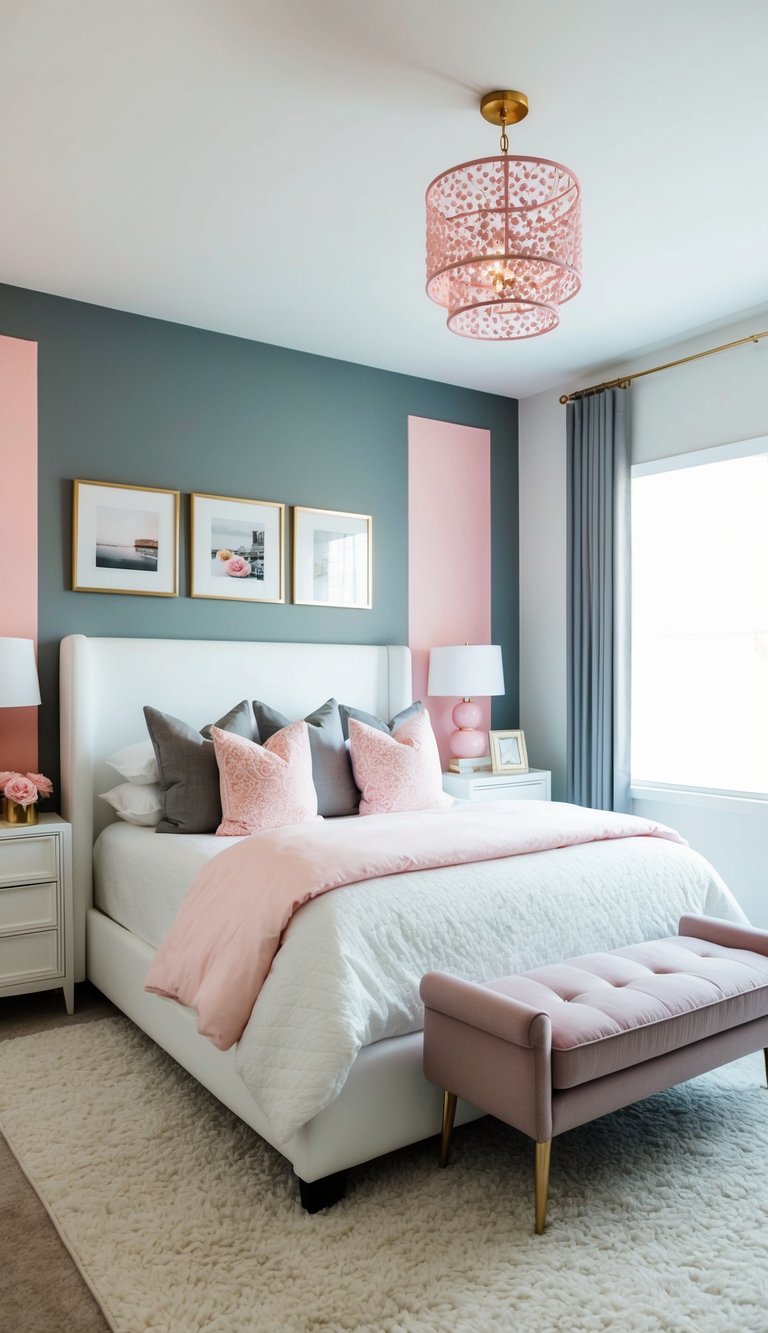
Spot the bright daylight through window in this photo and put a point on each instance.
(700, 620)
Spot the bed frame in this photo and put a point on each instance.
(385, 1103)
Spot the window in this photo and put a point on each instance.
(700, 620)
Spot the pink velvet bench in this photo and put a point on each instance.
(554, 1048)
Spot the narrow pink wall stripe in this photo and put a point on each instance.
(449, 553)
(18, 532)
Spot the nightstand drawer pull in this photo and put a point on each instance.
(29, 957)
(28, 907)
(28, 858)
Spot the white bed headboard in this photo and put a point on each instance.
(106, 682)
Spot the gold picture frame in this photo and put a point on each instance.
(125, 539)
(508, 752)
(332, 558)
(237, 548)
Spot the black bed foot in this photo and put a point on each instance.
(316, 1195)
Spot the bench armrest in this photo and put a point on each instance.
(500, 1015)
(728, 934)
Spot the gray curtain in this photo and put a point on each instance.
(599, 600)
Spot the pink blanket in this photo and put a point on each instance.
(220, 947)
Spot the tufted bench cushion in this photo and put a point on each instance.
(554, 1048)
(612, 1010)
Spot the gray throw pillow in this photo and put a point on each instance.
(331, 767)
(188, 772)
(346, 713)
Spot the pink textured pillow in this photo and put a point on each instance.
(264, 786)
(397, 772)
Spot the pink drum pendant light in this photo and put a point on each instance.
(504, 237)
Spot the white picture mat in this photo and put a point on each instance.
(89, 498)
(350, 583)
(256, 515)
(508, 751)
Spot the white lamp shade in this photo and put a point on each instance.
(19, 686)
(467, 670)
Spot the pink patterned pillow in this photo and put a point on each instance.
(264, 786)
(397, 772)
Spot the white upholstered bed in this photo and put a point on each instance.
(560, 905)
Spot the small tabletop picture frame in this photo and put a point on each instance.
(237, 548)
(332, 558)
(508, 752)
(125, 539)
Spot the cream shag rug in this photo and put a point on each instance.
(183, 1220)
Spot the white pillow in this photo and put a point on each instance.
(136, 804)
(136, 763)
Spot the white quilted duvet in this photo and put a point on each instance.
(349, 968)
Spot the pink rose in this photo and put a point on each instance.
(21, 791)
(6, 777)
(43, 784)
(238, 568)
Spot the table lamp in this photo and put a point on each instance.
(464, 670)
(19, 687)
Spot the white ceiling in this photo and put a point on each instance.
(258, 166)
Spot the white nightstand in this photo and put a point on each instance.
(36, 931)
(535, 785)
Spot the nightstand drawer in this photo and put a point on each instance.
(28, 907)
(28, 957)
(533, 785)
(535, 790)
(27, 859)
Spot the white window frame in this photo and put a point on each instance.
(670, 793)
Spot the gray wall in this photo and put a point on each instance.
(128, 399)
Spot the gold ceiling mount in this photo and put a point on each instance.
(504, 107)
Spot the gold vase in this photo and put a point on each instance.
(19, 814)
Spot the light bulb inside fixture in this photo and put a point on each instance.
(502, 279)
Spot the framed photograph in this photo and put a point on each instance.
(125, 539)
(508, 753)
(332, 558)
(237, 549)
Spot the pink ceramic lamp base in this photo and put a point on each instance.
(466, 742)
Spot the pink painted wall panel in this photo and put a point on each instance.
(449, 560)
(18, 531)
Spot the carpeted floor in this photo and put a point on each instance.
(41, 1290)
(183, 1220)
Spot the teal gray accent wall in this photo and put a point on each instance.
(124, 398)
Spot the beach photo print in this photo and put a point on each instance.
(125, 539)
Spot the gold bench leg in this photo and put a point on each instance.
(541, 1178)
(449, 1114)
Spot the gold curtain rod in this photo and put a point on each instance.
(624, 381)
